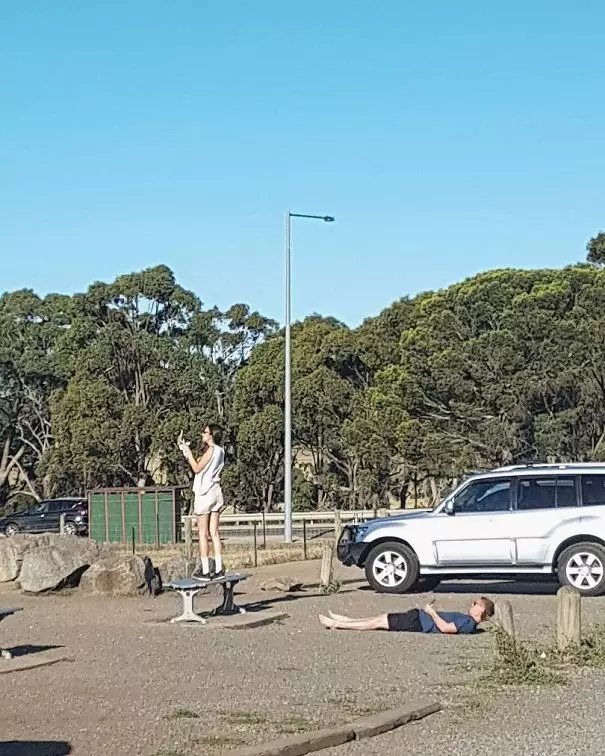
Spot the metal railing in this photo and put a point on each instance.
(311, 525)
(261, 531)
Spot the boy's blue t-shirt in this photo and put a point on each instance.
(464, 622)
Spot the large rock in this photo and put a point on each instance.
(11, 555)
(60, 563)
(121, 576)
(282, 585)
(176, 568)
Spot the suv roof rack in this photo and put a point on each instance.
(550, 466)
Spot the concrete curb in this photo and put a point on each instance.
(20, 664)
(376, 724)
(367, 727)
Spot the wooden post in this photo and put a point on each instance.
(62, 524)
(337, 525)
(188, 538)
(569, 618)
(255, 546)
(504, 617)
(264, 530)
(327, 568)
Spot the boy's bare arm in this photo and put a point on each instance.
(448, 628)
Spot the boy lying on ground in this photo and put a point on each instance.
(425, 620)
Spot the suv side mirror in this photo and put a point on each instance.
(449, 508)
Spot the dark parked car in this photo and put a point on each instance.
(45, 516)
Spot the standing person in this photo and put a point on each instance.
(426, 620)
(208, 498)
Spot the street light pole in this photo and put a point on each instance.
(288, 374)
(288, 394)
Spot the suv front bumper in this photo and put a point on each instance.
(347, 550)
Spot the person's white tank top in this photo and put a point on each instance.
(211, 474)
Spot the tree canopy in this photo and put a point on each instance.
(504, 367)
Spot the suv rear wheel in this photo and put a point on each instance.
(392, 567)
(582, 566)
(11, 529)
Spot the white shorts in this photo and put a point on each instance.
(211, 501)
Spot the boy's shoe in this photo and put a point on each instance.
(219, 574)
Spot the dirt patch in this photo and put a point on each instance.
(137, 687)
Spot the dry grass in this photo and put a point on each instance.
(273, 554)
(237, 555)
(518, 662)
(182, 714)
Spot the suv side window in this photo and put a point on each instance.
(484, 496)
(593, 490)
(546, 493)
(57, 506)
(566, 492)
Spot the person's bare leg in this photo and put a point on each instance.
(202, 531)
(216, 541)
(380, 622)
(341, 617)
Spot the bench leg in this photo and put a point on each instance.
(188, 614)
(228, 606)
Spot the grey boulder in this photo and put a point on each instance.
(11, 555)
(176, 568)
(121, 576)
(282, 585)
(58, 564)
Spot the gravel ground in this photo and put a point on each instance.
(139, 687)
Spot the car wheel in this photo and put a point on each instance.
(11, 529)
(70, 528)
(582, 566)
(392, 567)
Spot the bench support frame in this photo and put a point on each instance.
(189, 589)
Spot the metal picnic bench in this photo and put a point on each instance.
(188, 588)
(4, 613)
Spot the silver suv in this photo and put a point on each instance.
(513, 522)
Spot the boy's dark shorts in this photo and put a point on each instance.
(405, 622)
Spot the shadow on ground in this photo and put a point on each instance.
(504, 587)
(26, 650)
(34, 748)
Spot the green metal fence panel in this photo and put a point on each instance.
(169, 511)
(96, 516)
(147, 515)
(131, 517)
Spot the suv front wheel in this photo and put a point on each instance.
(392, 567)
(582, 566)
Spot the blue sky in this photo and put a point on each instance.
(446, 138)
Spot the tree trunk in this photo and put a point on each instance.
(269, 498)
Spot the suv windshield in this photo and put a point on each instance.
(483, 496)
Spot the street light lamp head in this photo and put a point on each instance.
(329, 219)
